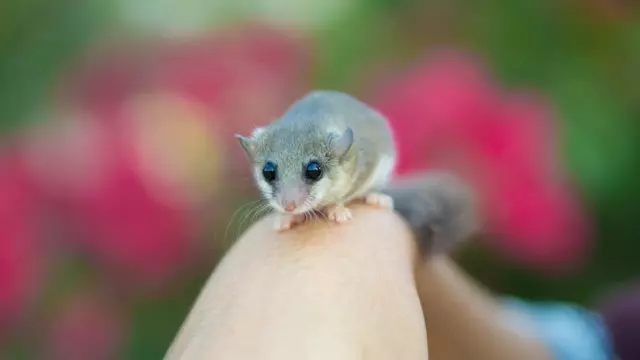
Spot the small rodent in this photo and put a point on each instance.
(327, 150)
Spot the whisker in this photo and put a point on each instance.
(251, 215)
(317, 213)
(313, 212)
(312, 216)
(258, 208)
(260, 212)
(237, 215)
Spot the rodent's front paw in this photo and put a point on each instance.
(285, 222)
(379, 199)
(338, 213)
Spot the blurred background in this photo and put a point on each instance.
(120, 176)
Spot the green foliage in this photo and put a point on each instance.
(157, 321)
(37, 40)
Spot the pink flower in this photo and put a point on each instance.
(132, 234)
(20, 260)
(245, 76)
(85, 327)
(138, 163)
(449, 114)
(88, 172)
(240, 78)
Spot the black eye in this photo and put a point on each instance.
(313, 171)
(269, 171)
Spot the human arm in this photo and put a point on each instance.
(466, 321)
(322, 291)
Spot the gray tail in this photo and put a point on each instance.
(439, 208)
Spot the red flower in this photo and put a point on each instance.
(239, 78)
(86, 327)
(449, 114)
(244, 76)
(145, 153)
(107, 203)
(20, 260)
(133, 234)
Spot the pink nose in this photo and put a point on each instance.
(290, 207)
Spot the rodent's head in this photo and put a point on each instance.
(297, 171)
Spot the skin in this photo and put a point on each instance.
(319, 291)
(350, 291)
(465, 321)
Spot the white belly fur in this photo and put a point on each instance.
(380, 176)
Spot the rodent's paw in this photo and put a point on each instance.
(379, 200)
(339, 213)
(285, 222)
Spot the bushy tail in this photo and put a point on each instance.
(439, 208)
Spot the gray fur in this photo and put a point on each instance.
(439, 208)
(318, 126)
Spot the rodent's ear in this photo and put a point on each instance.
(257, 132)
(247, 145)
(341, 144)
